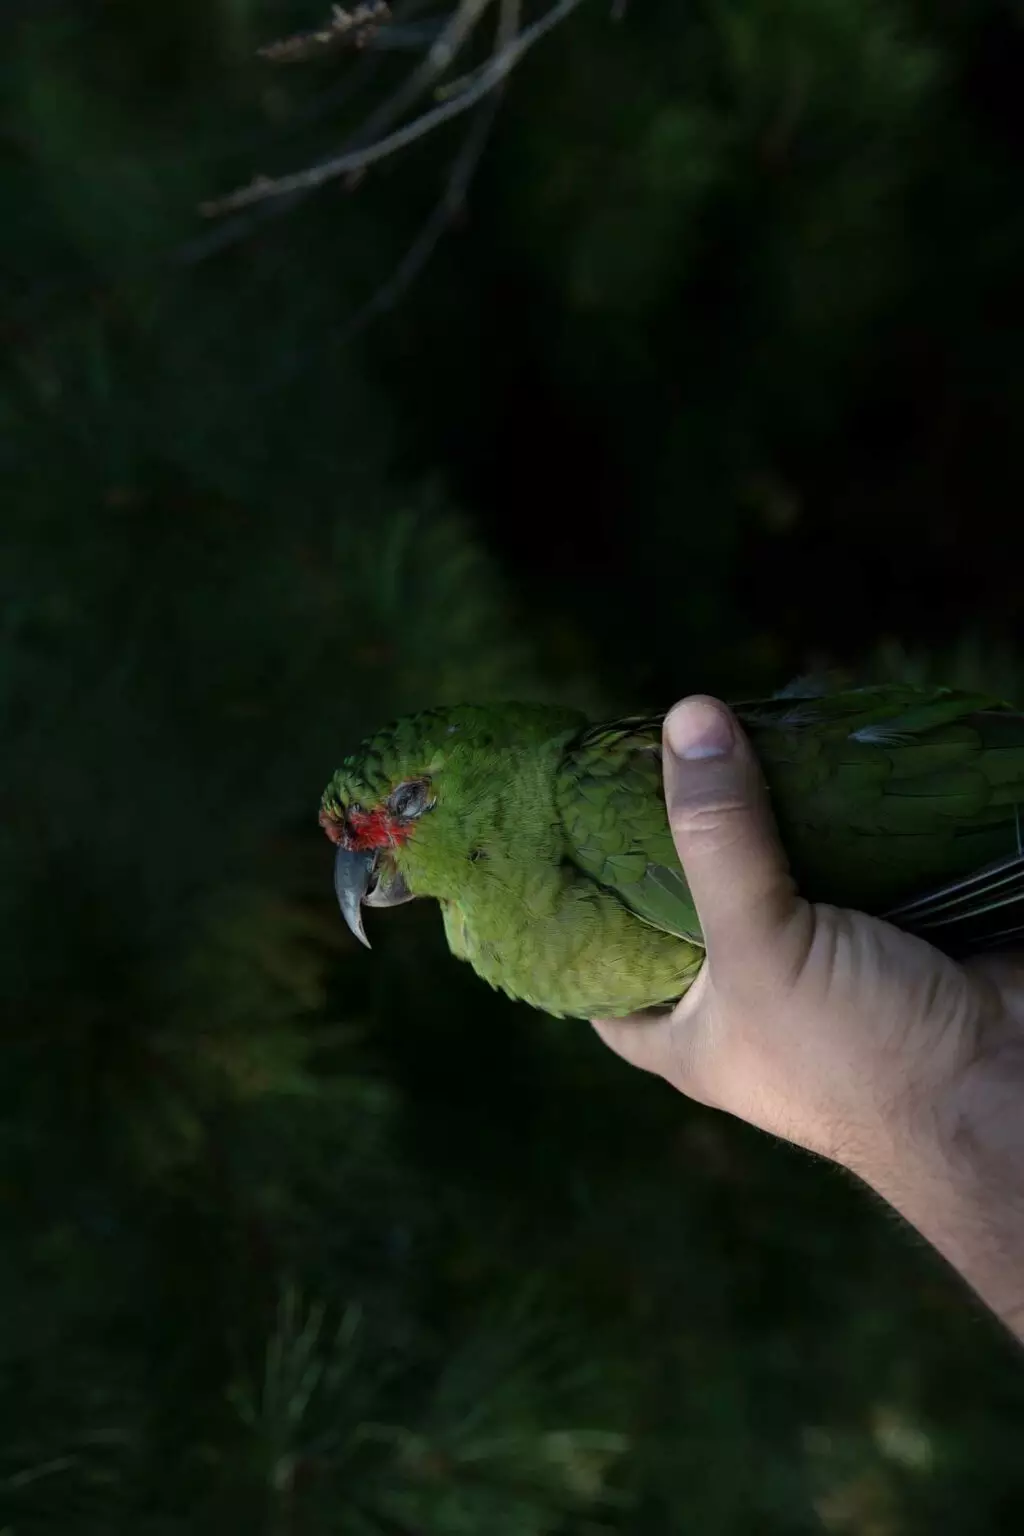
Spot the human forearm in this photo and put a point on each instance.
(962, 1185)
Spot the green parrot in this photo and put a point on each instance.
(546, 840)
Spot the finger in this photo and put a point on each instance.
(725, 834)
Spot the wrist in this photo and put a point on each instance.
(980, 1125)
(970, 1133)
(958, 1178)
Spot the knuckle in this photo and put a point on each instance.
(712, 818)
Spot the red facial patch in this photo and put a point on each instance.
(363, 831)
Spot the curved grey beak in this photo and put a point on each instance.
(359, 881)
(352, 875)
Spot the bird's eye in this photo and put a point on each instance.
(411, 799)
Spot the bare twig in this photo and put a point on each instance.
(451, 40)
(351, 29)
(412, 88)
(452, 199)
(508, 21)
(229, 232)
(444, 212)
(446, 209)
(479, 85)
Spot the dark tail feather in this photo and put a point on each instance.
(982, 911)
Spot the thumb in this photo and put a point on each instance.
(725, 834)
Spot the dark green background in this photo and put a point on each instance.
(715, 378)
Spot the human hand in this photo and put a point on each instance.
(823, 1026)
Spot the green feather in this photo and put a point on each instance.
(610, 797)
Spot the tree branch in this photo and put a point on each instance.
(445, 210)
(477, 86)
(452, 198)
(351, 29)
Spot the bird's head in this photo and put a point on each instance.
(423, 800)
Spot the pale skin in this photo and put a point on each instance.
(835, 1031)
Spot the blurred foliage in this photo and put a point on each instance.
(716, 379)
